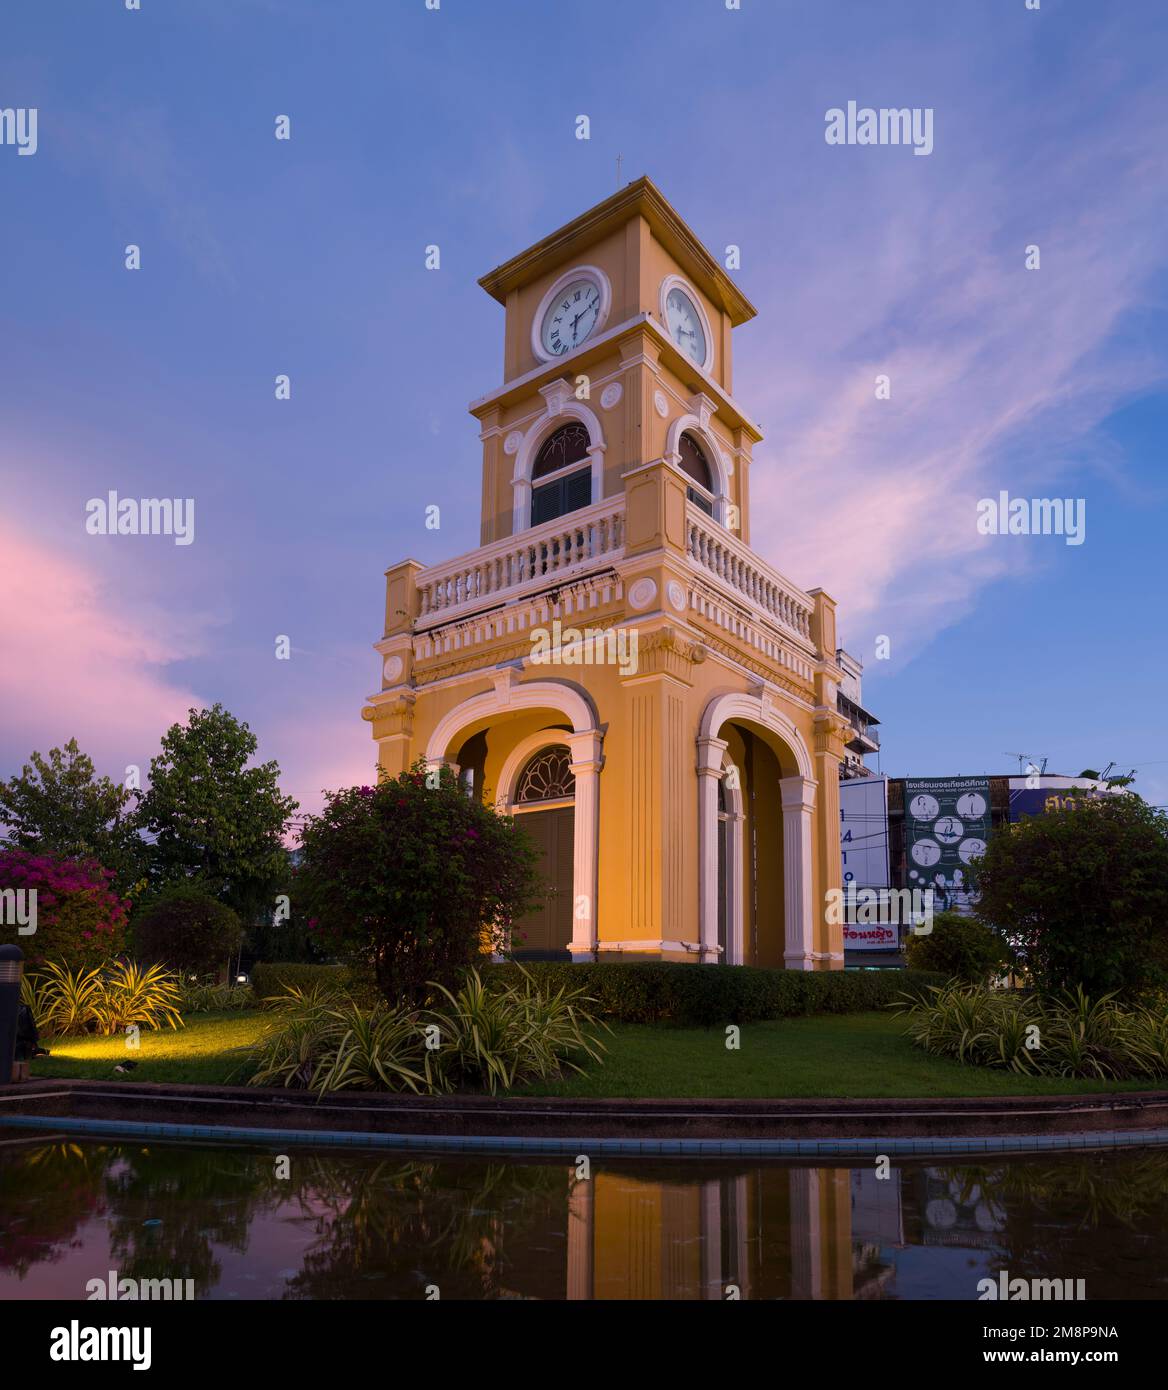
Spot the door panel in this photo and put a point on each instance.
(547, 930)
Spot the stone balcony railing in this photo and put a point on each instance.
(555, 552)
(593, 539)
(719, 552)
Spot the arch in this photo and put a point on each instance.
(798, 788)
(507, 697)
(562, 407)
(585, 741)
(756, 710)
(712, 447)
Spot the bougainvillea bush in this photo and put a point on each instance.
(414, 879)
(80, 920)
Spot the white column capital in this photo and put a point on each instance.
(710, 753)
(798, 793)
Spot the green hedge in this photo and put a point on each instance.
(666, 992)
(269, 979)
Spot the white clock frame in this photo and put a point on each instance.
(579, 272)
(672, 282)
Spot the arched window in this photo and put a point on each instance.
(695, 466)
(548, 776)
(565, 491)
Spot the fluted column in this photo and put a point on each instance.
(798, 879)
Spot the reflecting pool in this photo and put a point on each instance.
(244, 1223)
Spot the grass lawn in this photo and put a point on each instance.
(210, 1048)
(847, 1055)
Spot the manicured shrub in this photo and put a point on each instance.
(270, 980)
(713, 995)
(188, 930)
(80, 920)
(959, 947)
(413, 879)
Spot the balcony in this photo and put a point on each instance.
(592, 540)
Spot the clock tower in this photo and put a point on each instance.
(614, 664)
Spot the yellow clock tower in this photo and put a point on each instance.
(614, 663)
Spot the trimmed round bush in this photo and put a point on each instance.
(188, 930)
(960, 948)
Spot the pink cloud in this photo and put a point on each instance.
(76, 662)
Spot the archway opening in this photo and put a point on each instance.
(544, 801)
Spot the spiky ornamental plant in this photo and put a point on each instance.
(415, 879)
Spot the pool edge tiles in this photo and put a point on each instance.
(847, 1147)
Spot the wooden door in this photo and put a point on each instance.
(546, 931)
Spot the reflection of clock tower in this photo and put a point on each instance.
(614, 664)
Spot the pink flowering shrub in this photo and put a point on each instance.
(80, 920)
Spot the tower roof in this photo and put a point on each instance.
(642, 198)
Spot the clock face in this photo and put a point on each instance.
(570, 318)
(685, 325)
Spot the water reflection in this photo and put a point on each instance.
(367, 1226)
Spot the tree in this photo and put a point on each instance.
(216, 820)
(188, 930)
(80, 920)
(415, 879)
(1082, 894)
(58, 806)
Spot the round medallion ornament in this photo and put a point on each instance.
(642, 592)
(728, 465)
(660, 404)
(676, 595)
(611, 395)
(391, 669)
(512, 442)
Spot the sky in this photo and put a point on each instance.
(457, 127)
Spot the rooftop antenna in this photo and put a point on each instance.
(619, 160)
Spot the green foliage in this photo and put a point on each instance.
(1082, 895)
(1067, 1035)
(713, 995)
(414, 879)
(489, 1040)
(198, 998)
(215, 819)
(58, 806)
(960, 947)
(187, 930)
(270, 981)
(103, 1000)
(497, 1039)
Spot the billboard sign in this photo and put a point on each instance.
(1054, 794)
(946, 826)
(864, 856)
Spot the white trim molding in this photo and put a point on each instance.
(679, 282)
(562, 406)
(585, 743)
(798, 796)
(697, 422)
(569, 277)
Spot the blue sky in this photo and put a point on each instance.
(411, 127)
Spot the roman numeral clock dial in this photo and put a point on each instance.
(685, 325)
(570, 318)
